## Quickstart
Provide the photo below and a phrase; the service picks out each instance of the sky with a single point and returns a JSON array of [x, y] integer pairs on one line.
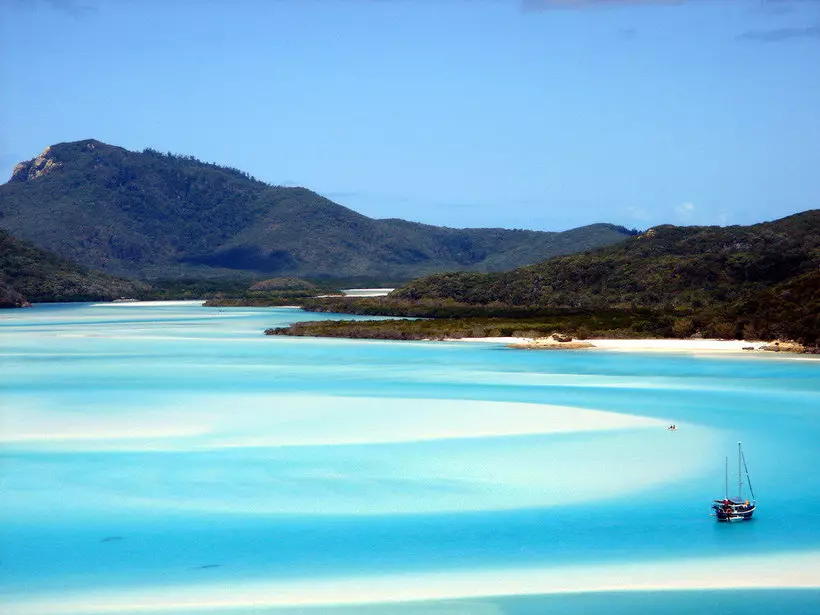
[[541, 114]]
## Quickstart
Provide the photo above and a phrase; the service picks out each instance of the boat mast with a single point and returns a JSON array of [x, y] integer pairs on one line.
[[748, 480], [726, 478], [739, 476]]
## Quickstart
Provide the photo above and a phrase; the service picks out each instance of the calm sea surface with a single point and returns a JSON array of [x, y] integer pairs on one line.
[[157, 451]]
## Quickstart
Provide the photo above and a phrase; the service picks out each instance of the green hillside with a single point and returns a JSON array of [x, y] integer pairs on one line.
[[154, 215], [29, 273], [10, 298], [790, 310], [742, 282], [666, 267]]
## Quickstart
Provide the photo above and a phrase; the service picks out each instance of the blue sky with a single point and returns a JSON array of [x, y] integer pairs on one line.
[[544, 114]]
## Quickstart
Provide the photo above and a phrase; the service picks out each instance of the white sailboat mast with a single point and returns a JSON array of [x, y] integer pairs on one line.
[[739, 475], [726, 478]]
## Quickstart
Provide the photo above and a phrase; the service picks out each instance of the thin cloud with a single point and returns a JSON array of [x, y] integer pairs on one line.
[[638, 213], [724, 217], [789, 2], [75, 8], [72, 7], [546, 5], [628, 34], [341, 195], [777, 35], [685, 211]]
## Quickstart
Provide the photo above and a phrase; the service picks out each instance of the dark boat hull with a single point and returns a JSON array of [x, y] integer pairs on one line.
[[732, 514]]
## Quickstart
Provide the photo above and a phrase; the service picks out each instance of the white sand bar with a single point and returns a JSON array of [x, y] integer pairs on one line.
[[348, 455], [781, 570], [259, 420], [643, 345], [173, 303], [367, 292]]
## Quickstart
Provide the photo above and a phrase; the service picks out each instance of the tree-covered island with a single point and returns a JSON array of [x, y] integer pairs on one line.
[[753, 282]]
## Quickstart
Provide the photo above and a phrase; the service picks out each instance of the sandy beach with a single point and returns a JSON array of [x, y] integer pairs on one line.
[[630, 345]]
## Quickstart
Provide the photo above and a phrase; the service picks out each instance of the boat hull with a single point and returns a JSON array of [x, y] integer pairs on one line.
[[732, 514]]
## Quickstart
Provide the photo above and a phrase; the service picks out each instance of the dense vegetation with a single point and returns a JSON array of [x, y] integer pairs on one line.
[[154, 215], [10, 298], [790, 310], [446, 319], [666, 267], [198, 230], [284, 284], [755, 282], [580, 324], [36, 275], [273, 292]]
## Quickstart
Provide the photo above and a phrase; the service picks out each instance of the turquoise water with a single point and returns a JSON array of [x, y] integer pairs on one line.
[[166, 450]]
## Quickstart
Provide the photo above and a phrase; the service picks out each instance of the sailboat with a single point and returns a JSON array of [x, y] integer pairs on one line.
[[737, 508]]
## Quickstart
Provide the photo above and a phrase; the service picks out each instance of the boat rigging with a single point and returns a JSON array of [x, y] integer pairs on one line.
[[737, 508]]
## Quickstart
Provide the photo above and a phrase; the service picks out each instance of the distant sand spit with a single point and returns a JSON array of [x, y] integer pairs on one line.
[[367, 292], [149, 303], [776, 571]]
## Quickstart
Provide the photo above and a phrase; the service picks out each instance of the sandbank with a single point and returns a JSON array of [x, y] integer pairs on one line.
[[149, 303], [367, 292], [258, 420], [780, 571], [341, 455]]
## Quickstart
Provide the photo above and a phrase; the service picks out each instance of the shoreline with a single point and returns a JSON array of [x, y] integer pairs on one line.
[[662, 345], [633, 345]]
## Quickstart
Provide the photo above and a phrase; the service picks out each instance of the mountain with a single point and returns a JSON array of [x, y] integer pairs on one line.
[[28, 273], [665, 267], [154, 215]]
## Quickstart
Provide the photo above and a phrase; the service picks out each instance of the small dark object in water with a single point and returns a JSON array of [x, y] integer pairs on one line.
[[206, 566], [111, 538]]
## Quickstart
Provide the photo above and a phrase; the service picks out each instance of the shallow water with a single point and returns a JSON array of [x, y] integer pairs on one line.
[[170, 450]]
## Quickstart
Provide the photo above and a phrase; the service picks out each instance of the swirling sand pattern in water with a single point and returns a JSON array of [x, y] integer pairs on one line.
[[163, 452]]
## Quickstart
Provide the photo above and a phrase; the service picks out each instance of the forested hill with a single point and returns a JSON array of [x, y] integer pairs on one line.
[[30, 274], [665, 267], [154, 215], [10, 298]]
